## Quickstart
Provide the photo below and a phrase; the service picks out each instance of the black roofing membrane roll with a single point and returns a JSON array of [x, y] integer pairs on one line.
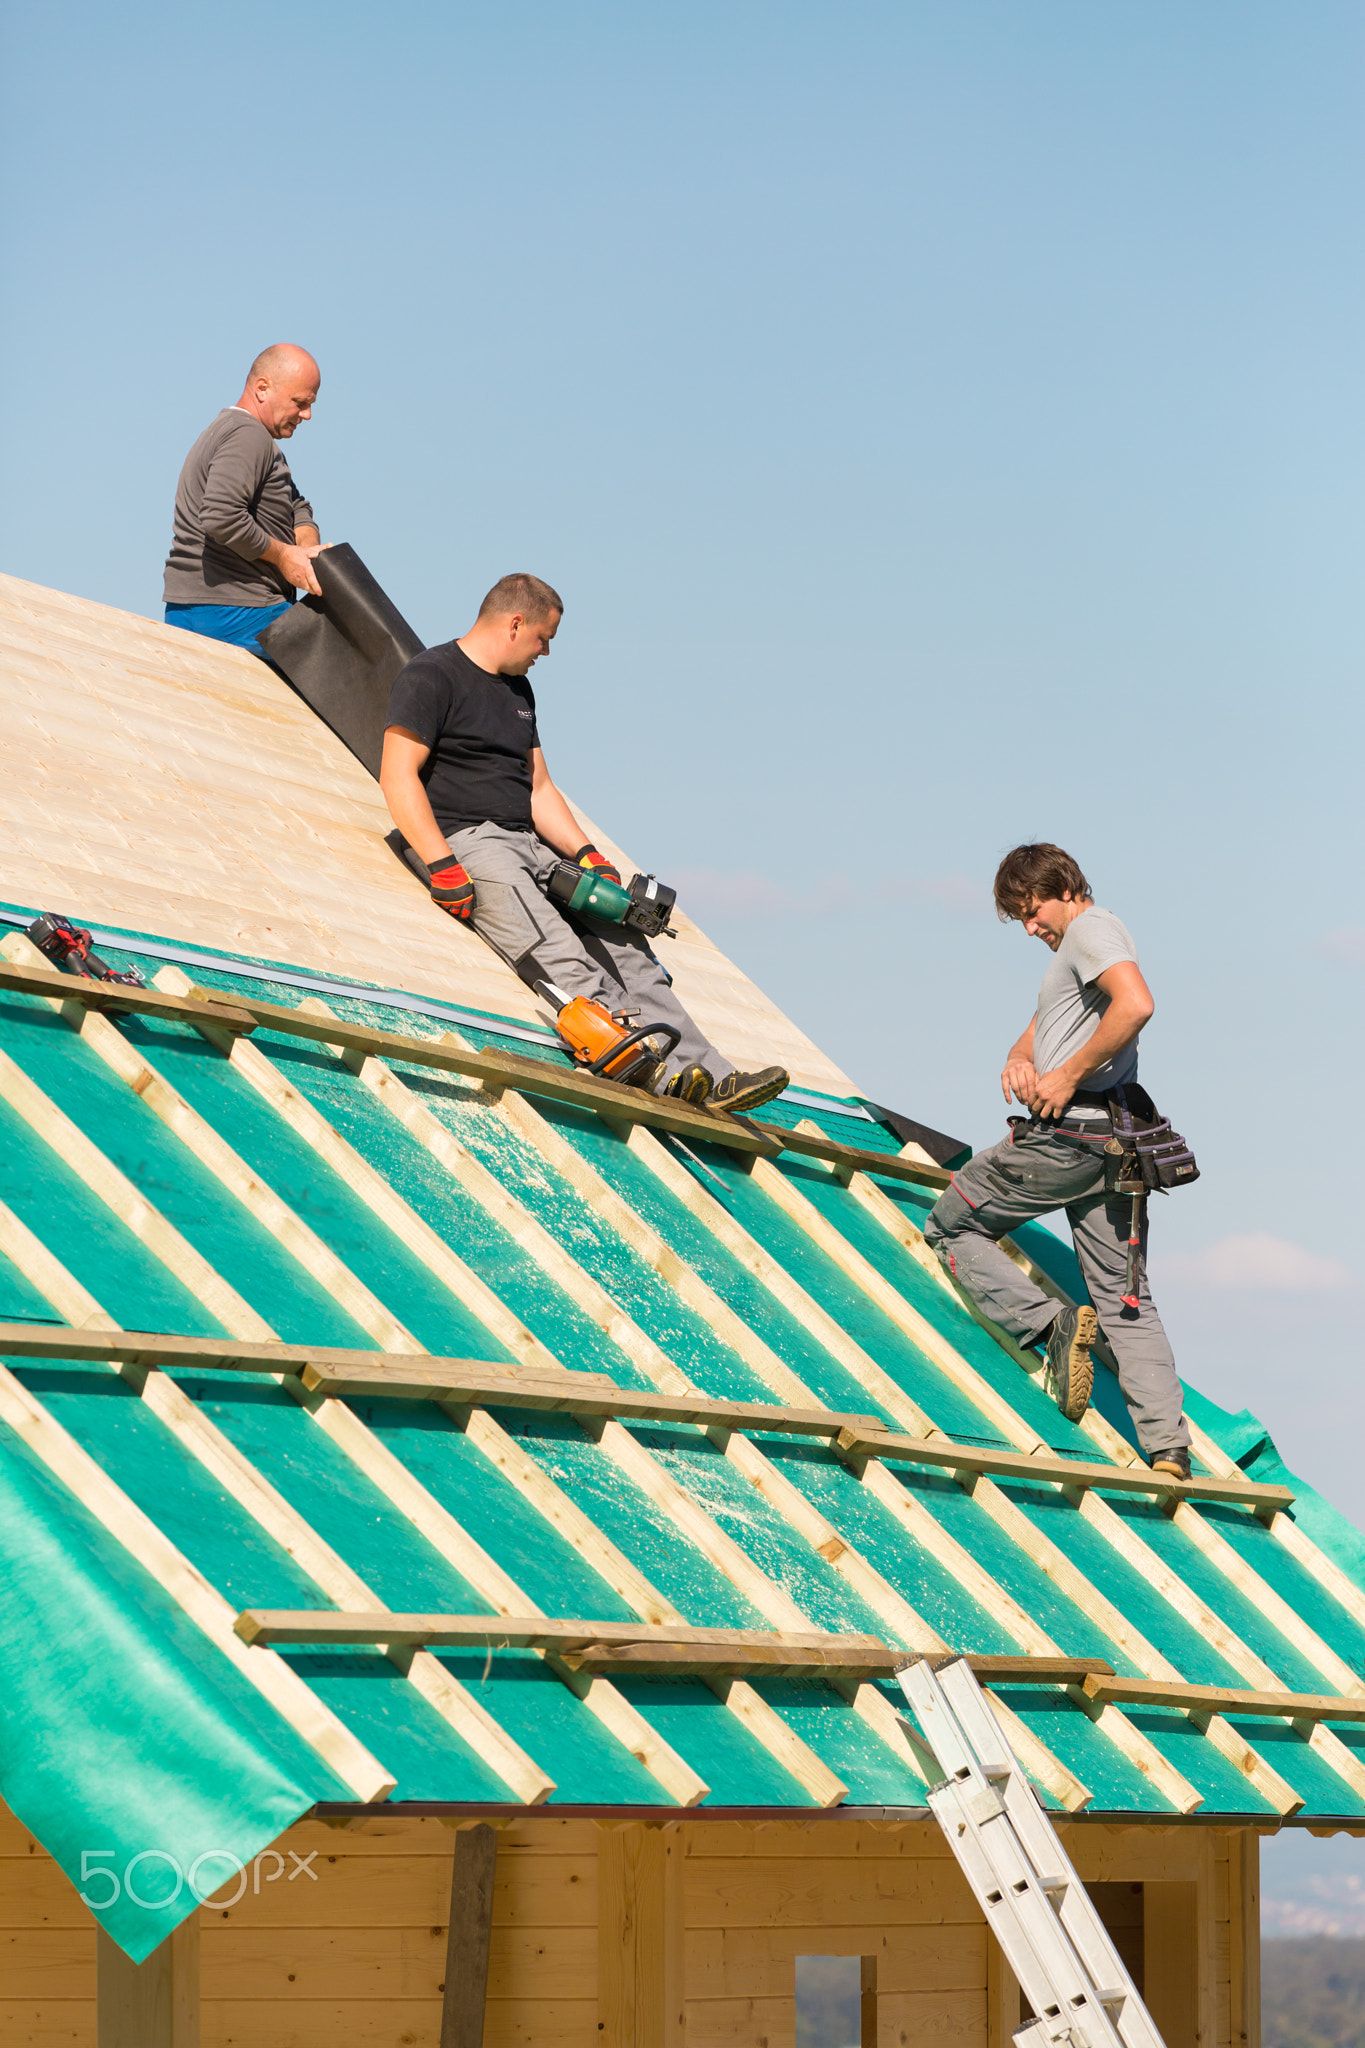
[[341, 651]]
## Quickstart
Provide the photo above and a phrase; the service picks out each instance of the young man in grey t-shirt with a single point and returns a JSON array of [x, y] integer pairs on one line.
[[1080, 1044]]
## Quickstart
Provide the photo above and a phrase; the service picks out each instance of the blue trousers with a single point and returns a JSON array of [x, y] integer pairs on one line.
[[238, 624]]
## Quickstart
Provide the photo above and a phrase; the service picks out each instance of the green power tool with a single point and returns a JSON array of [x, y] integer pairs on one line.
[[645, 904]]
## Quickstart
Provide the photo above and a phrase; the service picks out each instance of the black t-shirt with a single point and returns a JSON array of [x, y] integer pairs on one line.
[[480, 729]]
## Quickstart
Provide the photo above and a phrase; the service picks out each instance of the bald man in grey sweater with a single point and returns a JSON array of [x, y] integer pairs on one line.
[[244, 535]]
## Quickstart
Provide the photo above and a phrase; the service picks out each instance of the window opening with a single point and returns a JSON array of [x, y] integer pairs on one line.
[[836, 2002]]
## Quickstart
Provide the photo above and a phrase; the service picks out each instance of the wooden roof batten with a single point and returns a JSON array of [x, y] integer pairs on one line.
[[638, 1645], [355, 1374], [667, 1648], [244, 1014], [1225, 1699]]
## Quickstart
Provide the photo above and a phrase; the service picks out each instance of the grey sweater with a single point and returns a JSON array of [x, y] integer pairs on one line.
[[234, 497]]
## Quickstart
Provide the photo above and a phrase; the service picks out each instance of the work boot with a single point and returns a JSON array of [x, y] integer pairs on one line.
[[689, 1084], [1068, 1366], [1176, 1463], [738, 1092]]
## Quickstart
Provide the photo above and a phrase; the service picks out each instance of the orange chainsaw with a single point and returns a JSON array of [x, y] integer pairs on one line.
[[602, 1043]]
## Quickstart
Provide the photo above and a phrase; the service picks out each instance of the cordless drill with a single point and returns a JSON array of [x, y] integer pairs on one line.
[[644, 904]]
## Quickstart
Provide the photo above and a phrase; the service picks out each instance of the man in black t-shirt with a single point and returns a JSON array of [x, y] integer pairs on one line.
[[467, 786]]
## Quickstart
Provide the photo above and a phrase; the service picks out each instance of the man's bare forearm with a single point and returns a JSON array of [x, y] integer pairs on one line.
[[1017, 1077], [410, 809], [554, 821]]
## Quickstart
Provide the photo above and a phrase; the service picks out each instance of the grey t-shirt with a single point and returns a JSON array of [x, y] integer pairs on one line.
[[1070, 1006], [234, 497]]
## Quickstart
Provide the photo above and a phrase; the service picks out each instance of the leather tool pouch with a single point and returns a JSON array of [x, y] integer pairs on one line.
[[1139, 1146], [1147, 1148]]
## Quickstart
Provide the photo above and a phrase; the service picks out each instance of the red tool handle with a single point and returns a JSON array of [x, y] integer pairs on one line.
[[1130, 1277]]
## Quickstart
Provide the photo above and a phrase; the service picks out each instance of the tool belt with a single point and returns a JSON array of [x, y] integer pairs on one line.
[[1138, 1147]]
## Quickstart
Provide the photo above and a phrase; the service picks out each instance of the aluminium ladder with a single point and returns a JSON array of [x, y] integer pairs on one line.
[[1024, 1881]]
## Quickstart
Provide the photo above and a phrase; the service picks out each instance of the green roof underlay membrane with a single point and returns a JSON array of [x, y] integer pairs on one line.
[[126, 1733], [130, 1735]]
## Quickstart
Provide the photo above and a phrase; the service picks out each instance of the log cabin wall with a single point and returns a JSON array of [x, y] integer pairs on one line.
[[47, 1948], [619, 1936]]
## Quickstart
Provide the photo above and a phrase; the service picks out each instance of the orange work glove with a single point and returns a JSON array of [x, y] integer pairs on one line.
[[452, 890], [597, 863]]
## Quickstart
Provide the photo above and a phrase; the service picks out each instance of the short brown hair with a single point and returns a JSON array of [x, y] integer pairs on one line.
[[1037, 873], [521, 593]]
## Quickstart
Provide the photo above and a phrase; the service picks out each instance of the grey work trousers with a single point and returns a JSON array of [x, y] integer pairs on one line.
[[1029, 1175], [608, 963]]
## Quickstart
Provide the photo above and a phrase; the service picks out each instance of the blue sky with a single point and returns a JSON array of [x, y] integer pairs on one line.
[[944, 423]]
